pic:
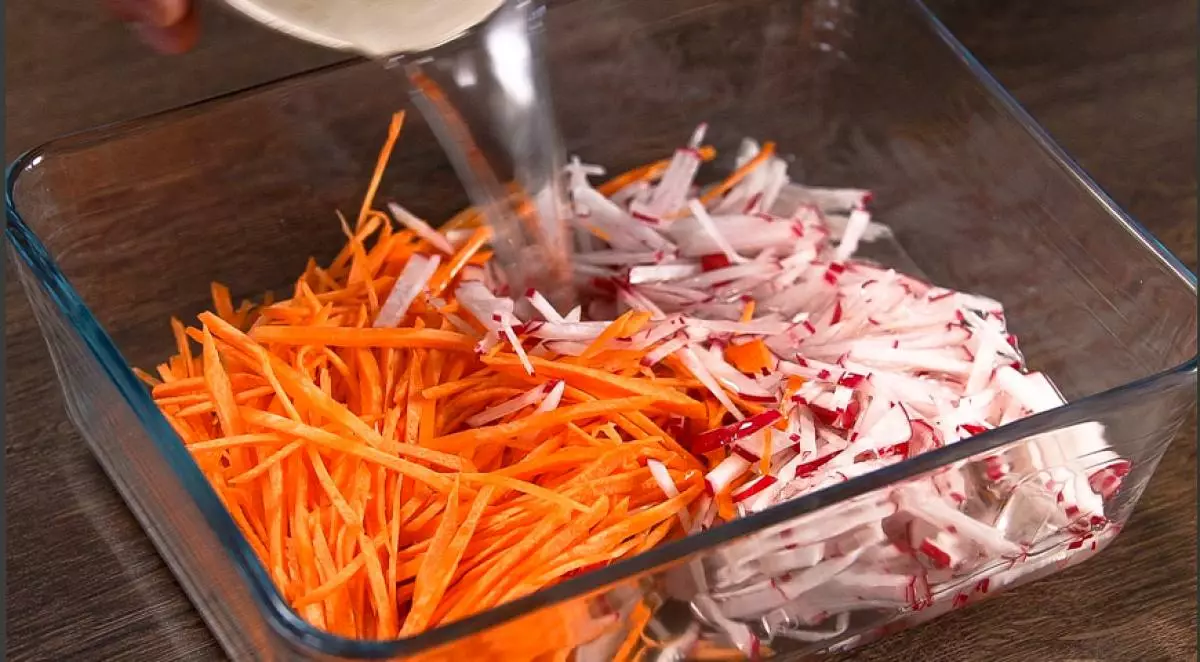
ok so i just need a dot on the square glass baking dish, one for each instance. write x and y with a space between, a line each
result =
115 230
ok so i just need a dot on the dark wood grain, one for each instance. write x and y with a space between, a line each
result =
1113 82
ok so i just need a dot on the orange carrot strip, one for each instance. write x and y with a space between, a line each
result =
220 388
637 623
563 459
182 346
273 507
448 389
636 323
202 398
655 536
641 521
207 406
448 566
370 388
335 443
752 357
222 302
364 338
448 271
267 464
531 489
147 378
794 383
384 607
237 440
748 311
506 431
385 154
302 388
393 544
331 489
603 384
580 527
425 591
725 507
337 580
765 461
767 151
613 330
477 584
647 172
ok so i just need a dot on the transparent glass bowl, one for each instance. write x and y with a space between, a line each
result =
117 229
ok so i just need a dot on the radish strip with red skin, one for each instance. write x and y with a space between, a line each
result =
575 331
553 397
857 225
667 484
421 228
706 222
613 258
723 436
530 398
693 363
669 195
543 306
661 272
664 350
413 279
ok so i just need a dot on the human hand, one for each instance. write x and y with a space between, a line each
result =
167 26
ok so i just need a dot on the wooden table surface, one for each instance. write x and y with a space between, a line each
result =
1113 81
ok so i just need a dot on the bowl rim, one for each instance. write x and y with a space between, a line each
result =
288 624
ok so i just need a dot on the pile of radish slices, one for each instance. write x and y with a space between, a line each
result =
842 367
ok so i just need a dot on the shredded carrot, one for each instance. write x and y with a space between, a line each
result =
752 357
647 172
637 622
725 507
385 154
356 337
767 450
147 378
344 453
453 267
794 382
604 384
610 333
748 311
537 422
222 302
715 193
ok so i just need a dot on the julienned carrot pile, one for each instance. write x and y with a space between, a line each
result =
403 447
392 478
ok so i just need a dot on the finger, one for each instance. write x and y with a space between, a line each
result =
174 39
158 13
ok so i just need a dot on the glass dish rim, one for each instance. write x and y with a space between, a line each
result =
280 616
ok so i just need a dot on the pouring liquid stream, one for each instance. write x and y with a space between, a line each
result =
476 73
